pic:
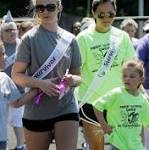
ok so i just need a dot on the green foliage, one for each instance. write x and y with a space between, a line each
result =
4 7
75 7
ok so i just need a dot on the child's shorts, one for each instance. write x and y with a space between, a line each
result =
15 116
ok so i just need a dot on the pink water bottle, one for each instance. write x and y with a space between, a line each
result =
63 86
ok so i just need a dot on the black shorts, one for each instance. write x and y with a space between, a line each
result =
87 110
47 125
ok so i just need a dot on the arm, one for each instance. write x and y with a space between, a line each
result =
2 59
25 98
73 78
47 86
107 129
20 78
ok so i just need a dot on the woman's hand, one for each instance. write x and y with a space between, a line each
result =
73 78
49 87
69 79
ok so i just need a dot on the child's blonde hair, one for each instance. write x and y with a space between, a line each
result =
136 64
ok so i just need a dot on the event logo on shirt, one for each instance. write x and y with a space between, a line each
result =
130 116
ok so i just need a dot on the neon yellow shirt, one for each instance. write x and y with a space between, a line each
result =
126 114
93 46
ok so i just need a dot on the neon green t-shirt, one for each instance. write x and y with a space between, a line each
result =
94 46
126 114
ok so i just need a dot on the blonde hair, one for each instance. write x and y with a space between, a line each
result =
136 64
34 2
128 21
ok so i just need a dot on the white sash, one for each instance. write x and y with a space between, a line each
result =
55 57
101 73
10 60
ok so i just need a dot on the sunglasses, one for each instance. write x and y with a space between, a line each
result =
103 15
9 30
49 7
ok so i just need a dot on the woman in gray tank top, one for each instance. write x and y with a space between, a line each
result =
56 112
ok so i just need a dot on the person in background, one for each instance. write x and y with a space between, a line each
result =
76 28
55 112
143 55
130 26
24 27
146 27
127 109
103 50
9 36
86 22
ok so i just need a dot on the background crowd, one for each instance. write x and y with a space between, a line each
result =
75 61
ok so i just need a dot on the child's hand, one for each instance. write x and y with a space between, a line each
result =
107 129
34 91
49 87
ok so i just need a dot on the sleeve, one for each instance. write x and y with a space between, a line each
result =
23 51
82 46
76 56
142 49
129 49
145 114
105 101
10 91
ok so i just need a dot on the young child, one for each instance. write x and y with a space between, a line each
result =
127 110
9 95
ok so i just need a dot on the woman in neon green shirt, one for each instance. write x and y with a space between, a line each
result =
102 46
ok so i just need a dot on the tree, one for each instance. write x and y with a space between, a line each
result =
20 8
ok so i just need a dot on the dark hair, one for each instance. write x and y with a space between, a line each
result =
96 3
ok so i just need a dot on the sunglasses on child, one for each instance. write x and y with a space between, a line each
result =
103 15
48 7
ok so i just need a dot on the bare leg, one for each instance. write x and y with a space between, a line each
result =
19 133
37 140
94 136
15 118
66 135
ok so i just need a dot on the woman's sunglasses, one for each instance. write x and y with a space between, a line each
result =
106 15
49 7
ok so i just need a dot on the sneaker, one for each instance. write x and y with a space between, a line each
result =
22 148
85 146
